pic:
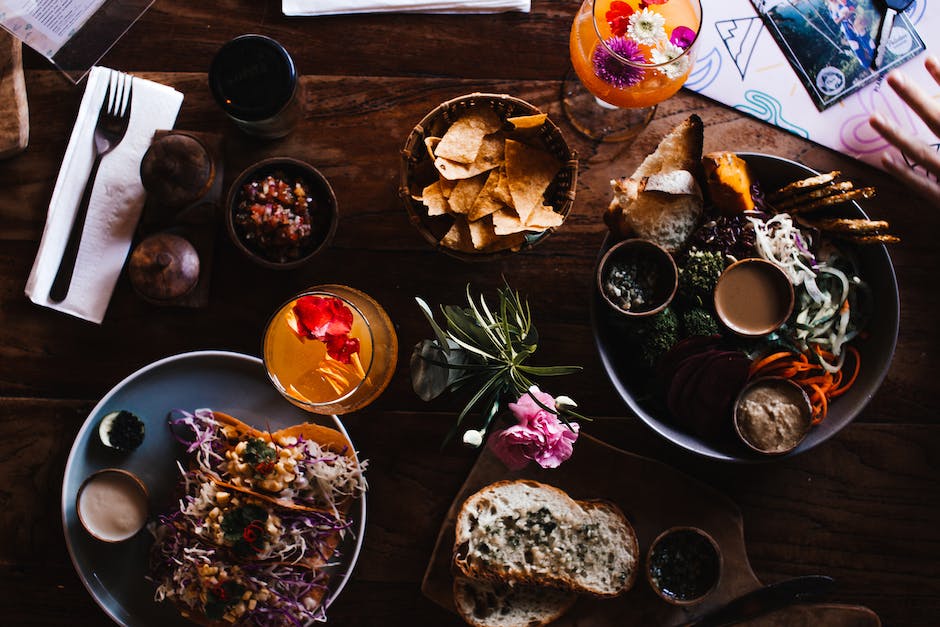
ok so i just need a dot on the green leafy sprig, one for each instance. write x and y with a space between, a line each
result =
485 350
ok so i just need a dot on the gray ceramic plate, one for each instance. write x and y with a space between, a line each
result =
230 382
629 378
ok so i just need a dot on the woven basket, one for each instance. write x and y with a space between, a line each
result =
418 171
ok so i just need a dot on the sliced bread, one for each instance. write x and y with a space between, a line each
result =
494 604
662 201
528 532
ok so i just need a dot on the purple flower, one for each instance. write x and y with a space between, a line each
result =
682 36
612 70
539 435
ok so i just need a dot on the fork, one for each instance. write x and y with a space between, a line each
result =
110 128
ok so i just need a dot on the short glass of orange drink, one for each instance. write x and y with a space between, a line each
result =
330 349
628 56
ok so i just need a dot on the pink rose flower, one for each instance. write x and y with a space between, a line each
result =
539 435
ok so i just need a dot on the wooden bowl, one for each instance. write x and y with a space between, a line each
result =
319 189
418 171
667 274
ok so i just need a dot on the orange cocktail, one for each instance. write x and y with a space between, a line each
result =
628 55
330 349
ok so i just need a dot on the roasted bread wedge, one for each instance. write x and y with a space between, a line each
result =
661 201
525 532
492 604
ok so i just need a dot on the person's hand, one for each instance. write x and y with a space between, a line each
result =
916 151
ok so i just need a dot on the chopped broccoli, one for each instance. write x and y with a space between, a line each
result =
698 321
656 334
698 277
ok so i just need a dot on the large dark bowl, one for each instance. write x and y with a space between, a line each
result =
632 382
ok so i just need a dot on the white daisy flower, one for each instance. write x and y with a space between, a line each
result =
647 27
667 51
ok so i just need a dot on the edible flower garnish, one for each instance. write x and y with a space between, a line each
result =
647 27
486 348
682 36
618 17
539 436
663 53
327 319
612 70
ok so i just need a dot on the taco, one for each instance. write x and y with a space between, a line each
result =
210 589
254 528
306 466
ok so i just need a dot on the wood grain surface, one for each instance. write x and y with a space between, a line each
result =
862 508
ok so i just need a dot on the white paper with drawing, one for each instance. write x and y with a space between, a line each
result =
46 25
740 64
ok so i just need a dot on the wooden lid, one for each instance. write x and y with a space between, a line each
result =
163 267
177 170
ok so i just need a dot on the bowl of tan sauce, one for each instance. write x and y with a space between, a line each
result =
753 297
772 415
112 505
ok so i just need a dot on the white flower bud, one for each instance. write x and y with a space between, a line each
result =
564 402
473 438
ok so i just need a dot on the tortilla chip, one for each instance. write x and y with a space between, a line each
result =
507 222
544 218
502 189
433 198
490 156
486 201
462 141
513 241
530 171
465 193
431 144
528 121
482 233
458 237
447 186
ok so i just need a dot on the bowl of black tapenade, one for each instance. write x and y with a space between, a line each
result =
280 212
683 565
637 278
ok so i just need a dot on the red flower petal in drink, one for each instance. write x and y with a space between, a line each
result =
319 316
646 3
341 347
618 16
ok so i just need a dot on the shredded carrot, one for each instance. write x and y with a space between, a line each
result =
821 385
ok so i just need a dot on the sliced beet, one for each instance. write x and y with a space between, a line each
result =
685 379
669 363
725 375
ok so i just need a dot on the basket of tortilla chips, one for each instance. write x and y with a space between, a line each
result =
487 174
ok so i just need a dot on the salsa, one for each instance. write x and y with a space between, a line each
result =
273 218
684 565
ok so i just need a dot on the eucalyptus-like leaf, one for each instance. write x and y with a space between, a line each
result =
550 371
433 369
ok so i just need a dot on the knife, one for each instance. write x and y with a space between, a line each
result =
765 600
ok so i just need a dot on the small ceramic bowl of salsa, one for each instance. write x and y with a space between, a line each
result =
683 565
637 278
280 212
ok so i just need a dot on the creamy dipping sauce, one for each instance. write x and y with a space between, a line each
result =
773 415
753 297
112 505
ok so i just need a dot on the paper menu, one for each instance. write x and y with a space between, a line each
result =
739 64
46 25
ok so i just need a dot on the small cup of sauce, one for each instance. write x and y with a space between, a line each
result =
112 505
683 565
772 415
637 278
753 297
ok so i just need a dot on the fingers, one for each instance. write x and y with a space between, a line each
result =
925 108
933 67
925 187
916 150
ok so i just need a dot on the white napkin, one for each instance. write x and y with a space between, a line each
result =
116 201
337 7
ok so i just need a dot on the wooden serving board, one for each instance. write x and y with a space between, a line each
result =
14 111
654 497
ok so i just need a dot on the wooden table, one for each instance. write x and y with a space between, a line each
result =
862 508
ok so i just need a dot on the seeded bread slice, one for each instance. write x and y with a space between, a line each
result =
528 532
492 604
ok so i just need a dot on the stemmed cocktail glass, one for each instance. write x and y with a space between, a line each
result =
627 58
